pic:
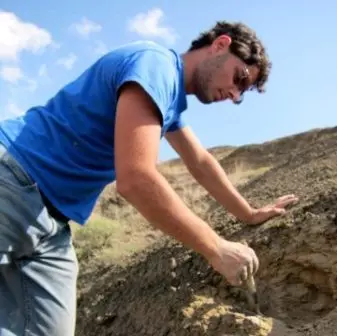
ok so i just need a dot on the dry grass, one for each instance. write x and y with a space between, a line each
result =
176 167
106 241
173 169
243 174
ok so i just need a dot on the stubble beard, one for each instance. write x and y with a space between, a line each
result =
203 76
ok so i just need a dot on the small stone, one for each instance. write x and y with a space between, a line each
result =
266 240
216 279
213 291
173 263
331 216
187 258
254 320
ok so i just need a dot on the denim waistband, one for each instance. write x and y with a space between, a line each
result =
8 160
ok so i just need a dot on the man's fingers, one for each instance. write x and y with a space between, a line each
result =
286 200
279 211
290 200
255 264
250 268
285 197
243 275
235 281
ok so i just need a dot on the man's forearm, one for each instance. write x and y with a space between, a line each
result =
212 177
154 198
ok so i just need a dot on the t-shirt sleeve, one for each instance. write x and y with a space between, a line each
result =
155 72
178 124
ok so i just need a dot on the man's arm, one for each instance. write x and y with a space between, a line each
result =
208 172
137 136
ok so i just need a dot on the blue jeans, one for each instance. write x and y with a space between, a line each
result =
38 265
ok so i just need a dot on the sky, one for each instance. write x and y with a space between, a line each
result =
46 44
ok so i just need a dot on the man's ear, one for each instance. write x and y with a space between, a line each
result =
221 43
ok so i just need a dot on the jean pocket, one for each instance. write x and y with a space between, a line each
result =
24 220
14 176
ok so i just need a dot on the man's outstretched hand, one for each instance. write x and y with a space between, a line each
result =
269 211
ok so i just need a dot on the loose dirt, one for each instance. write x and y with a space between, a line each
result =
167 290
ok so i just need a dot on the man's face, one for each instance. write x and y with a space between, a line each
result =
222 75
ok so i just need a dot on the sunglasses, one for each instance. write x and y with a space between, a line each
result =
241 81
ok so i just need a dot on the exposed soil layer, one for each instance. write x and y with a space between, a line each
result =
168 290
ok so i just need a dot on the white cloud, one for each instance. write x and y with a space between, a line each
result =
43 72
149 25
17 36
31 84
11 74
11 110
14 75
55 45
68 61
100 48
85 27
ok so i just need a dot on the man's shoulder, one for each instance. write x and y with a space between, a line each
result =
142 51
141 46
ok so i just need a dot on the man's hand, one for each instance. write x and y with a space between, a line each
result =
235 261
269 211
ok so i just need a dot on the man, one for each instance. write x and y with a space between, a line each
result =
106 126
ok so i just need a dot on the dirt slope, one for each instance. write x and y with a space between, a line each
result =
113 206
169 290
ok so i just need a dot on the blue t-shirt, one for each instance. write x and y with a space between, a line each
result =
67 145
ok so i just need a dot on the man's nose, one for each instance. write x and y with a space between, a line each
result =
235 96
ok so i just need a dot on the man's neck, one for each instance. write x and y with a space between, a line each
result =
190 61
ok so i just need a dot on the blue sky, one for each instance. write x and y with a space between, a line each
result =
45 44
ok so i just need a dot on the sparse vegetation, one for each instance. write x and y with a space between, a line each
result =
104 241
243 174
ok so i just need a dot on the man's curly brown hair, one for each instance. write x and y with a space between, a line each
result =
245 45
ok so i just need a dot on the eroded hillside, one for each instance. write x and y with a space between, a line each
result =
165 289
